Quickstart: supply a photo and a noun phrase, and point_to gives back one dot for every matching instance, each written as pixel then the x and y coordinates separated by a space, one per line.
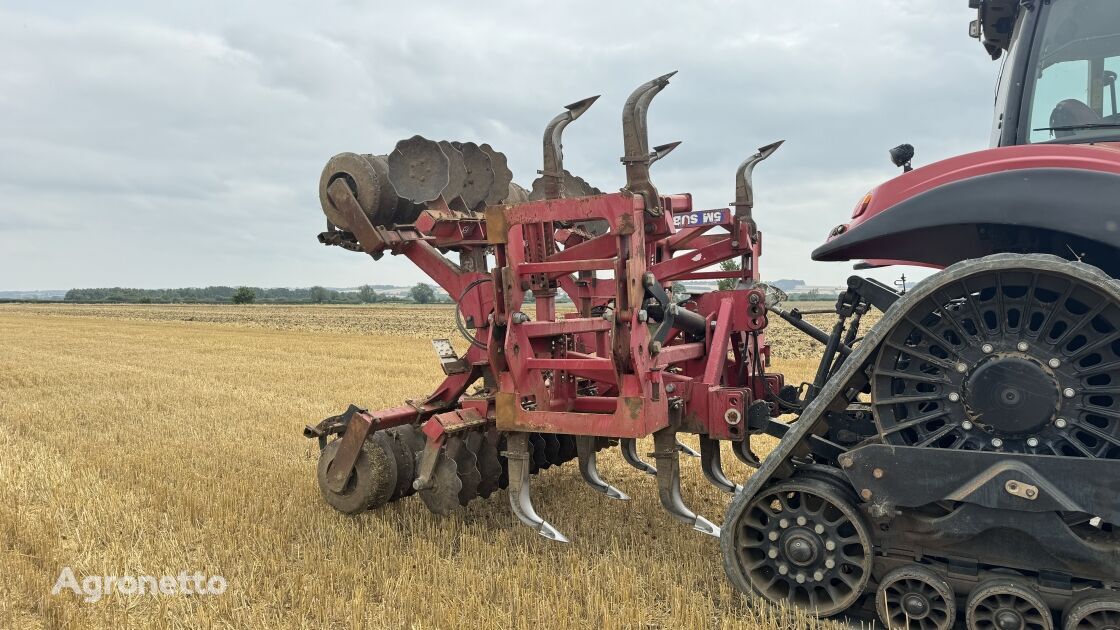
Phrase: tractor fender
pixel 980 204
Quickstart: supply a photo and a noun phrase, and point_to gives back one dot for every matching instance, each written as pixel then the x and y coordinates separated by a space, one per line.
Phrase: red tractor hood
pixel 1102 158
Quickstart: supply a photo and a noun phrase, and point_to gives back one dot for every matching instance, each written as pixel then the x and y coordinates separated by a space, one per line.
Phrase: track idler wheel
pixel 915 598
pixel 371 483
pixel 800 542
pixel 1094 612
pixel 1007 604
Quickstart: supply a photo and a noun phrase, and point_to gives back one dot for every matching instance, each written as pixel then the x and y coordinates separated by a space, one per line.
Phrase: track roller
pixel 1099 611
pixel 1007 604
pixel 915 598
pixel 800 542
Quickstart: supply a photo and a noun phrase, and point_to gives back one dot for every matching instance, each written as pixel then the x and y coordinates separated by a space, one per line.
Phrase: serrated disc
pixel 568 450
pixel 406 464
pixel 456 171
pixel 503 480
pixel 467 468
pixel 539 452
pixel 499 187
pixel 517 194
pixel 418 169
pixel 412 436
pixel 479 174
pixel 552 449
pixel 443 497
pixel 490 469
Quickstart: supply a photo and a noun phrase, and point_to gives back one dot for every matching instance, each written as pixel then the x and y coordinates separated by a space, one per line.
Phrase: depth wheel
pixel 915 598
pixel 1095 612
pixel 1006 604
pixel 371 483
pixel 802 543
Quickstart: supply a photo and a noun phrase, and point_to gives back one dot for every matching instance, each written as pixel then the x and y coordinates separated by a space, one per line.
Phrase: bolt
pixel 819 529
pixel 830 546
pixel 670 388
pixel 784 523
pixel 1060 423
pixel 987 348
pixel 643 316
pixel 801 521
pixel 1068 392
pixel 1023 346
pixel 818 575
pixel 865 494
pixel 1032 442
pixel 877 473
pixel 962 367
pixel 520 318
pixel 754 299
pixel 783 569
pixel 1054 363
pixel 1012 486
pixel 954 397
pixel 966 425
pixel 830 564
pixel 845 461
pixel 1030 493
pixel 773 536
pixel 655 348
pixel 773 553
pixel 800 578
pixel 997 443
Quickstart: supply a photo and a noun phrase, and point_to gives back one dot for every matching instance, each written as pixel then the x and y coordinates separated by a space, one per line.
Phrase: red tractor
pixel 986 483
pixel 954 461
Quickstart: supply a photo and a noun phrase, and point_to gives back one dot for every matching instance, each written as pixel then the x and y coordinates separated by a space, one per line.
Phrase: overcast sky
pixel 150 145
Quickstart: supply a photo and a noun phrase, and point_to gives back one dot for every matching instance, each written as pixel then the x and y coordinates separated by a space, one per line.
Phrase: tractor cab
pixel 1060 63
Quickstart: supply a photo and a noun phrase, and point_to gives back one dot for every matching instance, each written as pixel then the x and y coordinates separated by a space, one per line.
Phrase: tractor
pixel 951 463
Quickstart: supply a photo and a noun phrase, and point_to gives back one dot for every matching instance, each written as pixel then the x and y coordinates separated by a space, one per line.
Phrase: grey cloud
pixel 182 144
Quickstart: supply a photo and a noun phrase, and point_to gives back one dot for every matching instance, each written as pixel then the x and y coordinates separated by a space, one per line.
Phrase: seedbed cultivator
pixel 955 462
pixel 632 360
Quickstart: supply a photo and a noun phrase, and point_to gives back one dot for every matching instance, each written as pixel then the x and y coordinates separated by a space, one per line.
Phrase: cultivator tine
pixel 552 172
pixel 635 139
pixel 744 186
pixel 629 448
pixel 520 501
pixel 710 462
pixel 686 449
pixel 669 483
pixel 585 444
pixel 661 151
pixel 744 453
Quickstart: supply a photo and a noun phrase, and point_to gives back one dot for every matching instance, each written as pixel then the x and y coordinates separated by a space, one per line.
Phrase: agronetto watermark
pixel 91 588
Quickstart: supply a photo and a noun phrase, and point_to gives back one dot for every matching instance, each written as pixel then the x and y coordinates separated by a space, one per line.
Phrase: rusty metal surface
pixel 418 169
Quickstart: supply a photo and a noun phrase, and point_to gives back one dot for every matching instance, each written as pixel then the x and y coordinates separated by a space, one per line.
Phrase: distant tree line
pixel 365 294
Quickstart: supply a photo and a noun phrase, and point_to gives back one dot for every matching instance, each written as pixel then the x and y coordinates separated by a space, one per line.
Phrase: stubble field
pixel 151 440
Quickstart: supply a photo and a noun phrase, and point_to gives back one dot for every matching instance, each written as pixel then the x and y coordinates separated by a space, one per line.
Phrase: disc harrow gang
pixel 956 459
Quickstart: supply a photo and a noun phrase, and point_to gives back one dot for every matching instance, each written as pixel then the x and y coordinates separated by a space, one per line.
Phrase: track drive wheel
pixel 915 598
pixel 371 483
pixel 1095 612
pixel 800 542
pixel 1007 604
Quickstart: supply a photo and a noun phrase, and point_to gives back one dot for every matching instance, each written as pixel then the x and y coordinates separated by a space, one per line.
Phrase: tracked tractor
pixel 956 462
pixel 986 485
